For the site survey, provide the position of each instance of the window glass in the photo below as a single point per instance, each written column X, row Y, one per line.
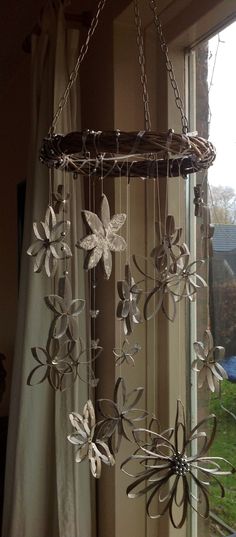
column 216, row 309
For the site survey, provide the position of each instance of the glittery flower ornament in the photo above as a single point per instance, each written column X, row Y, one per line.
column 52, row 365
column 167, row 466
column 60, row 198
column 210, row 371
column 104, row 239
column 66, row 310
column 127, row 308
column 126, row 353
column 168, row 252
column 119, row 415
column 89, row 447
column 50, row 245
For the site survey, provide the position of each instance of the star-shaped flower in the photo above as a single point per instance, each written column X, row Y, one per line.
column 161, row 296
column 119, row 415
column 210, row 370
column 187, row 280
column 104, row 239
column 169, row 465
column 52, row 365
column 95, row 450
column 66, row 310
column 169, row 251
column 50, row 245
column 126, row 353
column 82, row 357
column 127, row 308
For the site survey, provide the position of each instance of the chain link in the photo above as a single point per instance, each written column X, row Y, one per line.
column 169, row 66
column 74, row 73
column 141, row 58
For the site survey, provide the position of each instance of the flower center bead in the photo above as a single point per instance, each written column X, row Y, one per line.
column 179, row 465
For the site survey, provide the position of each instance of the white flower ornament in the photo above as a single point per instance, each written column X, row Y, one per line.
column 210, row 371
column 89, row 447
column 104, row 239
column 50, row 245
column 66, row 310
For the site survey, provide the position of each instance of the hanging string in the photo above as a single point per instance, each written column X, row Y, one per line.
column 50, row 187
column 128, row 219
column 158, row 201
column 50, row 202
column 91, row 290
column 64, row 220
column 180, row 316
column 121, row 335
column 101, row 177
column 155, row 201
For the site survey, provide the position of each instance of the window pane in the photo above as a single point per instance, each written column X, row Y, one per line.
column 216, row 309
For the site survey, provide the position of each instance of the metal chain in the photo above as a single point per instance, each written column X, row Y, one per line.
column 74, row 73
column 169, row 66
column 141, row 59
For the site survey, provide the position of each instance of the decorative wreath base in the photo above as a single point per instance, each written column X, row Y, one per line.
column 133, row 154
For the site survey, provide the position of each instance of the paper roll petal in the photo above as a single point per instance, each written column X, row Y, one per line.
column 210, row 371
column 167, row 469
column 95, row 450
column 51, row 245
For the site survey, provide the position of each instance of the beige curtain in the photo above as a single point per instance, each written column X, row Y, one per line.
column 46, row 493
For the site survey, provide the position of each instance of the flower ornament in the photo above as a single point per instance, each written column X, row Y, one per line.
column 104, row 239
column 198, row 199
column 94, row 450
column 126, row 353
column 210, row 371
column 52, row 365
column 207, row 231
column 161, row 296
column 127, row 309
column 66, row 310
column 187, row 280
column 60, row 198
column 119, row 415
column 83, row 358
column 50, row 245
column 169, row 251
column 167, row 466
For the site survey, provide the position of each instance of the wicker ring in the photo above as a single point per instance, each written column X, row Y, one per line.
column 148, row 155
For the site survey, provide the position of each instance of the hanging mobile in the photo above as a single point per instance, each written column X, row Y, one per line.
column 79, row 152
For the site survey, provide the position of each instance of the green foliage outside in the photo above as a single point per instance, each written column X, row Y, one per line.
column 225, row 446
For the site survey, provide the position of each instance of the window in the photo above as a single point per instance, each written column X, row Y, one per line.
column 215, row 78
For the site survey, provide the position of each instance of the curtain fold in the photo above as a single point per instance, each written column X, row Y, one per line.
column 46, row 492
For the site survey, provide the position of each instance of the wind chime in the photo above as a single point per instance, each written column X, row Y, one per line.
column 162, row 456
